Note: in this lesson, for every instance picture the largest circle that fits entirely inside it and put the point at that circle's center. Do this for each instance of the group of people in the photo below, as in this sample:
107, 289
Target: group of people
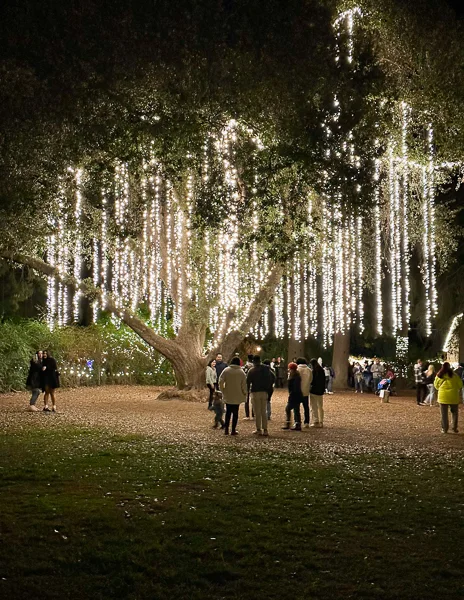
366, 377
254, 383
445, 387
43, 377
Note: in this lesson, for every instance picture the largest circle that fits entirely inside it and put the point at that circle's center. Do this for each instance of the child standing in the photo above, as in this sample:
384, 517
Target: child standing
218, 407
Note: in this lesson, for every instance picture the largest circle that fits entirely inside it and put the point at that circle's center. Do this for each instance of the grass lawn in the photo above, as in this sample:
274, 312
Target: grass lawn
89, 514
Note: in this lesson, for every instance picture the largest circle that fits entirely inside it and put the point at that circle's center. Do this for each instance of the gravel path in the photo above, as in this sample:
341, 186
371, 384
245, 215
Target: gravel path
354, 424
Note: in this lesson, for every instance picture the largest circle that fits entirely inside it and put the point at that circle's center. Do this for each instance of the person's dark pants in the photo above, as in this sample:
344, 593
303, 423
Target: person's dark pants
327, 384
231, 411
268, 408
218, 412
247, 407
279, 382
421, 391
306, 409
376, 381
295, 407
454, 408
211, 394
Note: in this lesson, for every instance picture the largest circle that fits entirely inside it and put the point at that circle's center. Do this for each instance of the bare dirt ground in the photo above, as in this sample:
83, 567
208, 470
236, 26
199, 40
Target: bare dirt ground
354, 424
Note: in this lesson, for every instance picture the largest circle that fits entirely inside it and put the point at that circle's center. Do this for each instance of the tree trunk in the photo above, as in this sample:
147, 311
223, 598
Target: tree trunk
295, 349
461, 340
190, 371
341, 353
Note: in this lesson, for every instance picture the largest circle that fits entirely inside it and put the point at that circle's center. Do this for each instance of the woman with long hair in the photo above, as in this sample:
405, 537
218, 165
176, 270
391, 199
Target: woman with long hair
295, 398
50, 380
211, 380
34, 380
449, 386
429, 379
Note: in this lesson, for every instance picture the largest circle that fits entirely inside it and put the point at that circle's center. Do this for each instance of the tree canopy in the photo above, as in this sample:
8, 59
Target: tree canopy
96, 84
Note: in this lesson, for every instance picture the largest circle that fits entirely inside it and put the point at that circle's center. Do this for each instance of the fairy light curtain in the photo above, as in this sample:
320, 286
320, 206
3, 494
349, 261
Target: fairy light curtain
323, 289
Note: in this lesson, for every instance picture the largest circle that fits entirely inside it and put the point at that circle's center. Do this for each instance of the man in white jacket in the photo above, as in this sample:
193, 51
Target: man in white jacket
306, 377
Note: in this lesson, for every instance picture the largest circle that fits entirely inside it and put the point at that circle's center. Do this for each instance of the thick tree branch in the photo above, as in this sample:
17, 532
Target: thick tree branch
166, 347
256, 309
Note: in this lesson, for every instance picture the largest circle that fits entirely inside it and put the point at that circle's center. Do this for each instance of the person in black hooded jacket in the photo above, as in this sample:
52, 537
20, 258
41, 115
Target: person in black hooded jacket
295, 398
50, 380
34, 380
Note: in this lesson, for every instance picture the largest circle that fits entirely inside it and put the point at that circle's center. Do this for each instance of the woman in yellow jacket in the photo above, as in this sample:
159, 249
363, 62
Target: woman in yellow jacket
449, 387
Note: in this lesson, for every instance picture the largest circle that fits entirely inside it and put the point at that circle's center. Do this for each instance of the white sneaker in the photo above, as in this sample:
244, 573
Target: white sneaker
246, 419
32, 408
314, 425
257, 432
306, 425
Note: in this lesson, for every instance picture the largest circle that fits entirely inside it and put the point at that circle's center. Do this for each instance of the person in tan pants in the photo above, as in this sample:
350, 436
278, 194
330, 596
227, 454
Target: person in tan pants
259, 381
316, 397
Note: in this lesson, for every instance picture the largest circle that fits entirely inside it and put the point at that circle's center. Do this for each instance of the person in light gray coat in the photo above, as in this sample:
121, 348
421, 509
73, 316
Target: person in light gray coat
211, 380
233, 386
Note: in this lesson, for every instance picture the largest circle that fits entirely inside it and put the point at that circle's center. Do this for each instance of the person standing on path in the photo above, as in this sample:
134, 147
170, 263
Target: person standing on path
233, 386
306, 378
419, 378
34, 380
316, 395
220, 366
358, 378
377, 371
429, 380
259, 381
211, 381
280, 372
295, 398
50, 380
268, 363
449, 386
246, 369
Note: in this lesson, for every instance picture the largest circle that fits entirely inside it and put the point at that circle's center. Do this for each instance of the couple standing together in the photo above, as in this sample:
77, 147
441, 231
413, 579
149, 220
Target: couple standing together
235, 385
305, 386
43, 377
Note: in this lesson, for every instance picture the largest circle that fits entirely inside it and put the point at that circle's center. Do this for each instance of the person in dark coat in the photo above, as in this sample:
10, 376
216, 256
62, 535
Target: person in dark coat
34, 380
295, 398
316, 395
50, 380
268, 363
220, 366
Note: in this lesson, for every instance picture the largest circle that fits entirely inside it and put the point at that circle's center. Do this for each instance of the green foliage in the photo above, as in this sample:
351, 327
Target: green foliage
118, 355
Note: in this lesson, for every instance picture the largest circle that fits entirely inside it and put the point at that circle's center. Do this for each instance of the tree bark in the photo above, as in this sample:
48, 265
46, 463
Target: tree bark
341, 353
461, 340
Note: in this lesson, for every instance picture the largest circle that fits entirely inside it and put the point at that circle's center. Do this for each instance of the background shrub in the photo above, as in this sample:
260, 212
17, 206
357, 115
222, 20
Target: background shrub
104, 353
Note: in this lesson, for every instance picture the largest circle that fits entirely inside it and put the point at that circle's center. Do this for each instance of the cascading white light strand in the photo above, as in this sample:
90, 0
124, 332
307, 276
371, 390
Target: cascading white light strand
78, 243
378, 251
433, 256
359, 232
406, 300
104, 250
426, 251
51, 283
451, 331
